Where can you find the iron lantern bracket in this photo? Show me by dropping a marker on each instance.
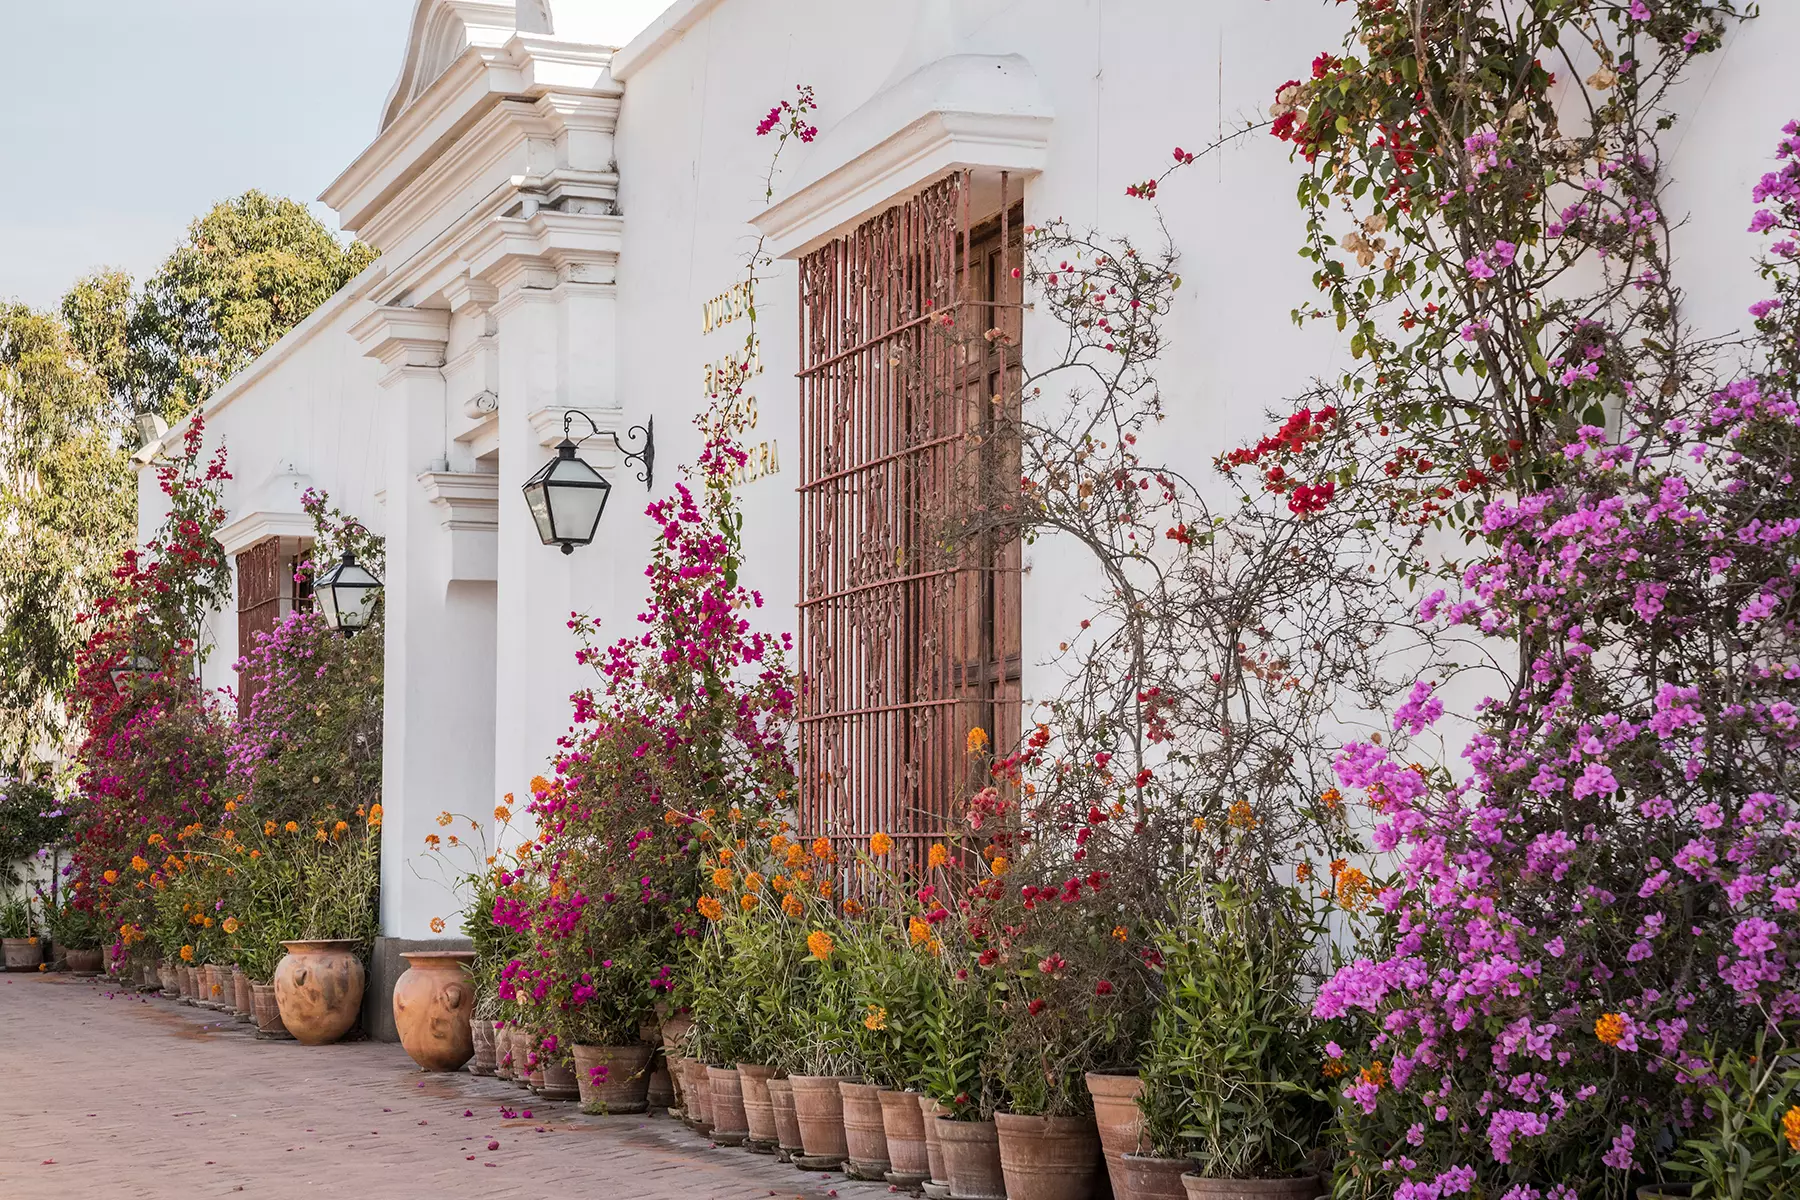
(644, 456)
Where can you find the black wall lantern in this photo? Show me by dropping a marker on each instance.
(567, 496)
(135, 663)
(346, 595)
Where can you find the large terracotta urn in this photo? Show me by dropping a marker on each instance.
(319, 989)
(434, 1000)
(1048, 1158)
(84, 962)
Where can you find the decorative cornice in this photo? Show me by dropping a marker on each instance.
(404, 337)
(239, 535)
(979, 112)
(470, 500)
(547, 425)
(544, 250)
(665, 31)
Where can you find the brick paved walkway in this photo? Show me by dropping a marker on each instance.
(113, 1095)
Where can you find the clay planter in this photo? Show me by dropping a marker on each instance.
(864, 1131)
(240, 993)
(218, 989)
(787, 1123)
(503, 1060)
(22, 954)
(677, 1083)
(1048, 1158)
(482, 1035)
(266, 1013)
(929, 1112)
(319, 988)
(559, 1080)
(84, 962)
(972, 1159)
(659, 1091)
(819, 1107)
(524, 1055)
(696, 1088)
(1199, 1187)
(731, 1125)
(613, 1079)
(1120, 1122)
(434, 999)
(1148, 1178)
(759, 1109)
(909, 1164)
(165, 974)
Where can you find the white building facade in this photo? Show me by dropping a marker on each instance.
(562, 224)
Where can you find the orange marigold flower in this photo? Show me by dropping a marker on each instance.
(539, 785)
(670, 818)
(852, 906)
(875, 1018)
(1120, 933)
(790, 904)
(138, 864)
(437, 924)
(431, 840)
(503, 814)
(1333, 1069)
(821, 849)
(1374, 1074)
(747, 901)
(778, 844)
(825, 888)
(111, 876)
(1331, 798)
(444, 818)
(918, 931)
(977, 741)
(1790, 1128)
(881, 843)
(726, 854)
(231, 806)
(1353, 889)
(796, 854)
(187, 954)
(268, 828)
(1610, 1028)
(341, 827)
(229, 925)
(819, 944)
(752, 881)
(1001, 864)
(937, 856)
(779, 883)
(721, 878)
(1241, 816)
(292, 827)
(256, 854)
(710, 908)
(320, 836)
(1303, 872)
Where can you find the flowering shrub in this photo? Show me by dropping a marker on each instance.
(1606, 902)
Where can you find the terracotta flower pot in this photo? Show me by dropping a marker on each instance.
(819, 1107)
(759, 1109)
(84, 962)
(559, 1079)
(1048, 1158)
(677, 1083)
(503, 1059)
(660, 1089)
(697, 1090)
(190, 983)
(240, 993)
(1303, 1187)
(731, 1124)
(434, 1001)
(674, 1030)
(865, 1134)
(787, 1122)
(612, 1079)
(165, 975)
(909, 1164)
(972, 1159)
(1120, 1122)
(523, 1056)
(267, 1013)
(1150, 1178)
(22, 954)
(929, 1112)
(319, 988)
(481, 1035)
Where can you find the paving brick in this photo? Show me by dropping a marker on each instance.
(106, 1094)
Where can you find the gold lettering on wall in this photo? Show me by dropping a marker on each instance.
(732, 374)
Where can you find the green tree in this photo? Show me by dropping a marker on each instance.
(66, 511)
(250, 270)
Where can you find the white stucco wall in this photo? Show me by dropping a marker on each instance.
(604, 313)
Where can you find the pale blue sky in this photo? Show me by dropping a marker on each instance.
(122, 120)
